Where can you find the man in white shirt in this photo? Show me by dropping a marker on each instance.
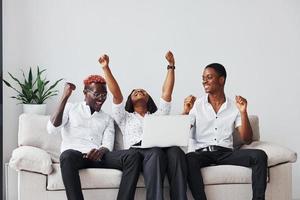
(156, 162)
(88, 139)
(216, 118)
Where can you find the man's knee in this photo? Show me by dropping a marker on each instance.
(259, 156)
(69, 155)
(190, 157)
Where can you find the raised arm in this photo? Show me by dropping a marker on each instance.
(110, 80)
(57, 116)
(168, 86)
(245, 129)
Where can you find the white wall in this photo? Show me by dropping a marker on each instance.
(258, 41)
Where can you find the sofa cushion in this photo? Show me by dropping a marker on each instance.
(90, 178)
(226, 174)
(276, 153)
(110, 178)
(31, 159)
(33, 132)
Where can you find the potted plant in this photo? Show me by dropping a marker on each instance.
(33, 91)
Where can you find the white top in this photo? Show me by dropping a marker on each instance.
(213, 128)
(83, 131)
(131, 124)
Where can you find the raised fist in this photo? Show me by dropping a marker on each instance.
(69, 87)
(241, 103)
(170, 58)
(104, 60)
(188, 104)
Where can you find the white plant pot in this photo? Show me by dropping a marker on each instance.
(39, 109)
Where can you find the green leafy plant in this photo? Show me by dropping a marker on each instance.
(33, 90)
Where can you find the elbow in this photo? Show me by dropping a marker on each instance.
(55, 121)
(118, 100)
(167, 97)
(248, 140)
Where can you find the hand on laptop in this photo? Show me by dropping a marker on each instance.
(188, 104)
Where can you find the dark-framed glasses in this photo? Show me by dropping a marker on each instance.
(97, 95)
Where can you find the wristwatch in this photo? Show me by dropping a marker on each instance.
(171, 67)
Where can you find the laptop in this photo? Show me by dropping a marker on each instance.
(165, 131)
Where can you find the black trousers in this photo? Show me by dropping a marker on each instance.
(71, 161)
(254, 158)
(159, 161)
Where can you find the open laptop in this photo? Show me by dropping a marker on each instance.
(165, 131)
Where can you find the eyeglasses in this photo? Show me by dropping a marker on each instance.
(97, 95)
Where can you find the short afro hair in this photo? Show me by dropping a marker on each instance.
(93, 79)
(220, 69)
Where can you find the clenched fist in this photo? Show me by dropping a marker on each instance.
(170, 58)
(188, 104)
(104, 60)
(241, 103)
(69, 88)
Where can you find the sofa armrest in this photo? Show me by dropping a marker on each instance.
(276, 154)
(31, 159)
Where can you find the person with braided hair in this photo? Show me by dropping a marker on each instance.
(129, 115)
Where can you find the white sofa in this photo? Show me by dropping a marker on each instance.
(39, 177)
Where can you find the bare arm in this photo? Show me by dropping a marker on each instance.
(245, 129)
(56, 117)
(168, 85)
(110, 80)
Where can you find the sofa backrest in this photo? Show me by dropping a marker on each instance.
(237, 142)
(33, 132)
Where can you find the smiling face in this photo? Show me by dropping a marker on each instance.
(212, 81)
(139, 95)
(95, 95)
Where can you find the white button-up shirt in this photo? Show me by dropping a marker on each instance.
(83, 131)
(131, 124)
(211, 128)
